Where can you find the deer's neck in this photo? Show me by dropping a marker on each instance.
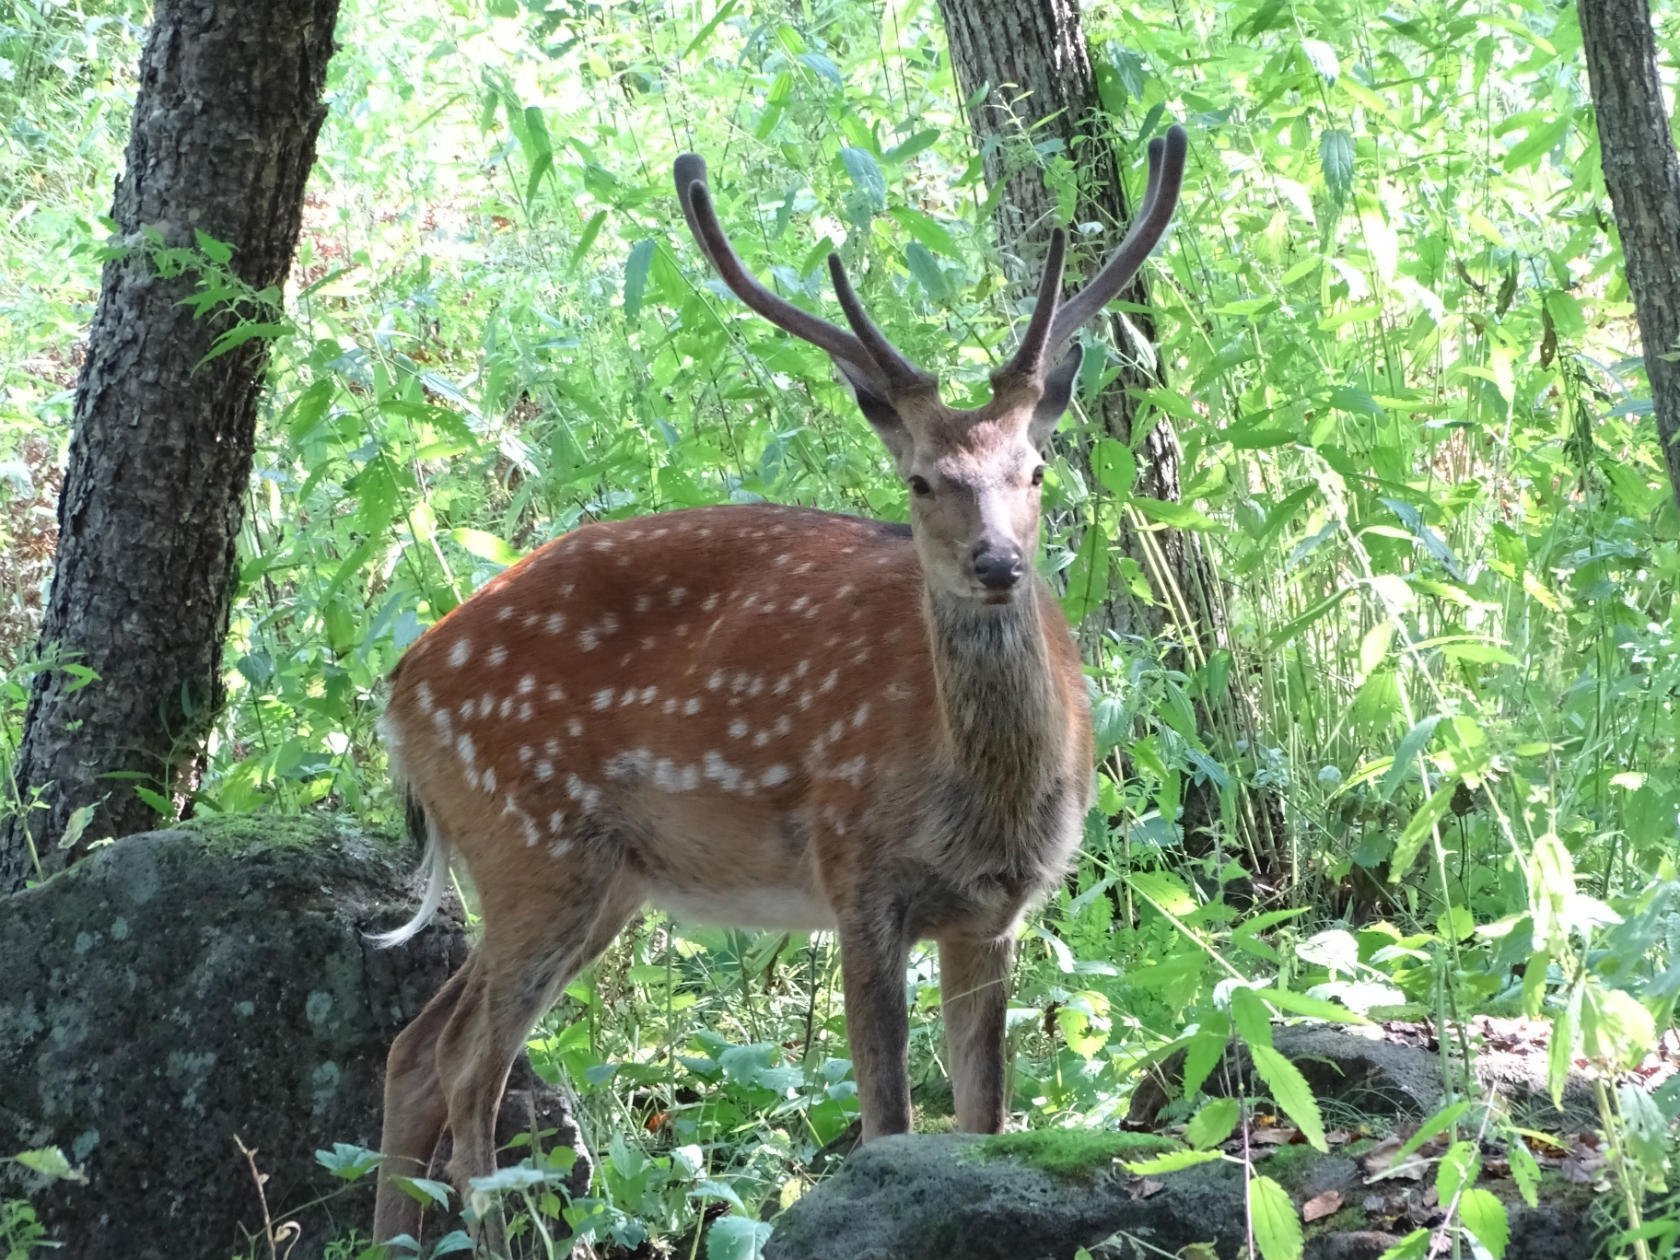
(1004, 713)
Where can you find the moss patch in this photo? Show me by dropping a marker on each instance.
(1074, 1154)
(245, 833)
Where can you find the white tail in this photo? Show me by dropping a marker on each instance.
(765, 716)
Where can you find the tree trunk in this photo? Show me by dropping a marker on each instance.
(1643, 176)
(222, 142)
(1026, 68)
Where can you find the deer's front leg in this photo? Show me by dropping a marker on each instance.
(974, 993)
(873, 953)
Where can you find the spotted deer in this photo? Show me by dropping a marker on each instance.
(765, 716)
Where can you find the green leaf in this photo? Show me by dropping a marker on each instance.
(1616, 1029)
(926, 271)
(49, 1161)
(736, 1238)
(1459, 1166)
(239, 334)
(347, 1161)
(586, 238)
(1525, 1170)
(484, 545)
(1412, 743)
(1166, 512)
(930, 232)
(1484, 1216)
(1560, 1052)
(1277, 1225)
(1414, 1246)
(861, 166)
(1291, 1093)
(907, 149)
(1417, 830)
(1335, 156)
(1170, 1162)
(426, 1190)
(1440, 1122)
(1250, 1017)
(705, 32)
(1215, 1122)
(1311, 1007)
(635, 277)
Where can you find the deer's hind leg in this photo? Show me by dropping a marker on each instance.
(415, 1112)
(535, 941)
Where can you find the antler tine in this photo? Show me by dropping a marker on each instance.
(1166, 177)
(865, 348)
(1029, 359)
(899, 371)
(695, 196)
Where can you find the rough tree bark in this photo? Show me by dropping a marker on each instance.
(1643, 176)
(1026, 67)
(222, 141)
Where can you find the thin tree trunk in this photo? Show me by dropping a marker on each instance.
(1026, 67)
(1643, 176)
(222, 141)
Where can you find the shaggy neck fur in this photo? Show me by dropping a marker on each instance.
(1004, 717)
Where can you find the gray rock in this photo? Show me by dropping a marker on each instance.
(961, 1197)
(182, 987)
(1361, 1068)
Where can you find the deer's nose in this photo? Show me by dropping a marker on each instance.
(997, 567)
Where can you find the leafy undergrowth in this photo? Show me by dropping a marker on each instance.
(1395, 343)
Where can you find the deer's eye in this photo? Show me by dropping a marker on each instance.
(1038, 475)
(920, 488)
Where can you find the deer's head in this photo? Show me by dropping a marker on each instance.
(973, 474)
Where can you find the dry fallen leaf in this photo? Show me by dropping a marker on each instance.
(1321, 1205)
(1379, 1161)
(1143, 1187)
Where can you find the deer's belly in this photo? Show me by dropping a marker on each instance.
(786, 907)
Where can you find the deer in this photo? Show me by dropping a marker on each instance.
(764, 716)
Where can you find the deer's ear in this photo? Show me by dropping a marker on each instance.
(1058, 393)
(883, 417)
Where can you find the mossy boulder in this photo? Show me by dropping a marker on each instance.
(1047, 1195)
(181, 988)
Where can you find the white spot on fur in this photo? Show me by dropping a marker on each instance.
(460, 652)
(545, 770)
(775, 774)
(527, 684)
(555, 693)
(738, 728)
(602, 699)
(691, 706)
(498, 655)
(423, 694)
(721, 772)
(710, 602)
(677, 594)
(574, 727)
(556, 623)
